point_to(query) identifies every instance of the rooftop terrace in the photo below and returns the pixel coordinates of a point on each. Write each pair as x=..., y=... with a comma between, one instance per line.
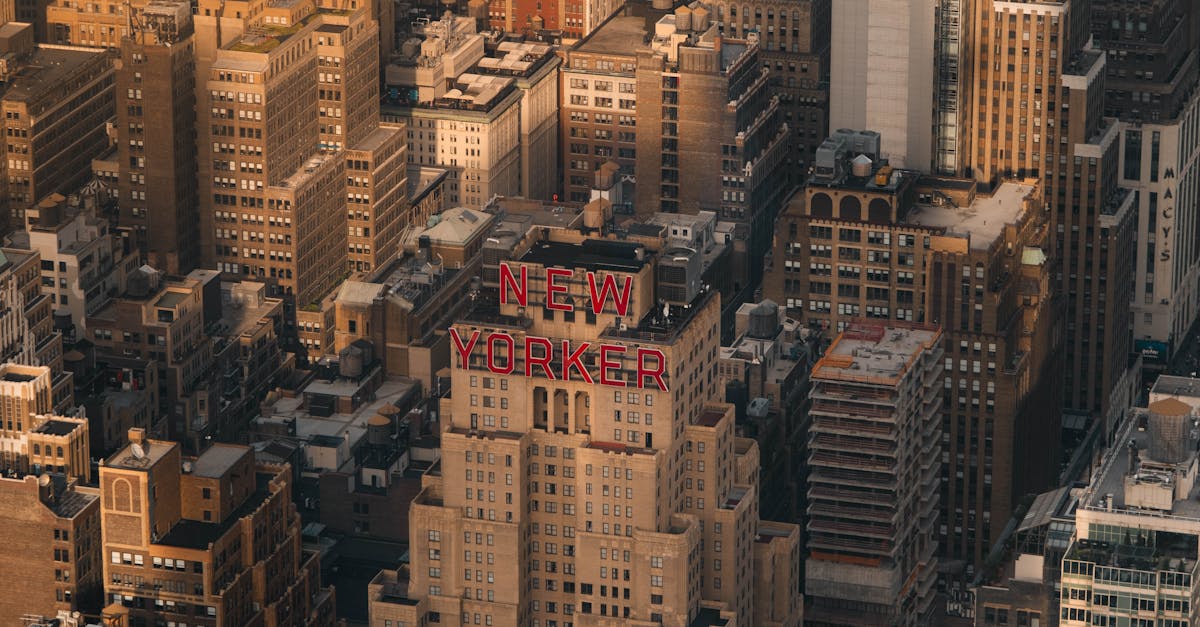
x=983, y=221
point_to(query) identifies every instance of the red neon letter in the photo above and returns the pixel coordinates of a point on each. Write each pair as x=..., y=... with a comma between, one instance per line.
x=520, y=289
x=543, y=361
x=575, y=360
x=491, y=353
x=657, y=373
x=464, y=351
x=552, y=288
x=606, y=365
x=621, y=300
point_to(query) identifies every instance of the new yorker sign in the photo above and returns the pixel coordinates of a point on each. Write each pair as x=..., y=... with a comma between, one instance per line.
x=540, y=352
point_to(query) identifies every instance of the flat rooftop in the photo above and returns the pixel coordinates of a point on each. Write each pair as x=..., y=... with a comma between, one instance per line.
x=590, y=255
x=622, y=34
x=423, y=178
x=539, y=213
x=878, y=352
x=517, y=59
x=171, y=299
x=376, y=138
x=218, y=459
x=151, y=452
x=1169, y=385
x=48, y=68
x=351, y=427
x=248, y=313
x=57, y=427
x=983, y=221
x=1116, y=467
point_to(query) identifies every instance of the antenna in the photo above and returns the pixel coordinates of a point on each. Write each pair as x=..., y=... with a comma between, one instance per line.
x=138, y=451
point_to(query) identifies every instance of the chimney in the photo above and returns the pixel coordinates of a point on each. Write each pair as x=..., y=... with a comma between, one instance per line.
x=137, y=435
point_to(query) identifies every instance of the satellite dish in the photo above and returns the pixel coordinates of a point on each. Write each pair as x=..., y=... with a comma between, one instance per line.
x=137, y=450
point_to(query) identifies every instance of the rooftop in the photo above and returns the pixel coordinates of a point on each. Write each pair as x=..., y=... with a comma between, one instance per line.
x=517, y=59
x=622, y=34
x=57, y=427
x=538, y=213
x=983, y=221
x=589, y=255
x=218, y=459
x=662, y=324
x=129, y=458
x=352, y=427
x=171, y=299
x=876, y=351
x=267, y=37
x=1169, y=385
x=49, y=68
x=1118, y=466
x=422, y=179
x=457, y=225
x=245, y=305
x=306, y=171
x=69, y=503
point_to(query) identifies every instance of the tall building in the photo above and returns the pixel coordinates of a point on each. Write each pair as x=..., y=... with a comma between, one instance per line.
x=211, y=541
x=1151, y=84
x=599, y=127
x=794, y=44
x=56, y=106
x=953, y=47
x=486, y=114
x=882, y=75
x=1037, y=103
x=723, y=141
x=891, y=244
x=873, y=456
x=1134, y=556
x=52, y=559
x=156, y=136
x=290, y=96
x=610, y=488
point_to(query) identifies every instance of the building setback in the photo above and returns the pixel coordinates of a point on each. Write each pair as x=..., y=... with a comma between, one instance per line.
x=575, y=498
x=1037, y=109
x=886, y=244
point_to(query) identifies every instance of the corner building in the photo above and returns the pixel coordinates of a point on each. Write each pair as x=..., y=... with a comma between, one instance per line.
x=594, y=499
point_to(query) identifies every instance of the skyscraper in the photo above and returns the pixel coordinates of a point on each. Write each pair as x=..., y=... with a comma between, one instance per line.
x=1151, y=86
x=882, y=75
x=1037, y=105
x=287, y=100
x=873, y=474
x=609, y=486
x=794, y=45
x=156, y=136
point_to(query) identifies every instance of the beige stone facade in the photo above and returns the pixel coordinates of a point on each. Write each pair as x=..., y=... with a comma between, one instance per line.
x=580, y=500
